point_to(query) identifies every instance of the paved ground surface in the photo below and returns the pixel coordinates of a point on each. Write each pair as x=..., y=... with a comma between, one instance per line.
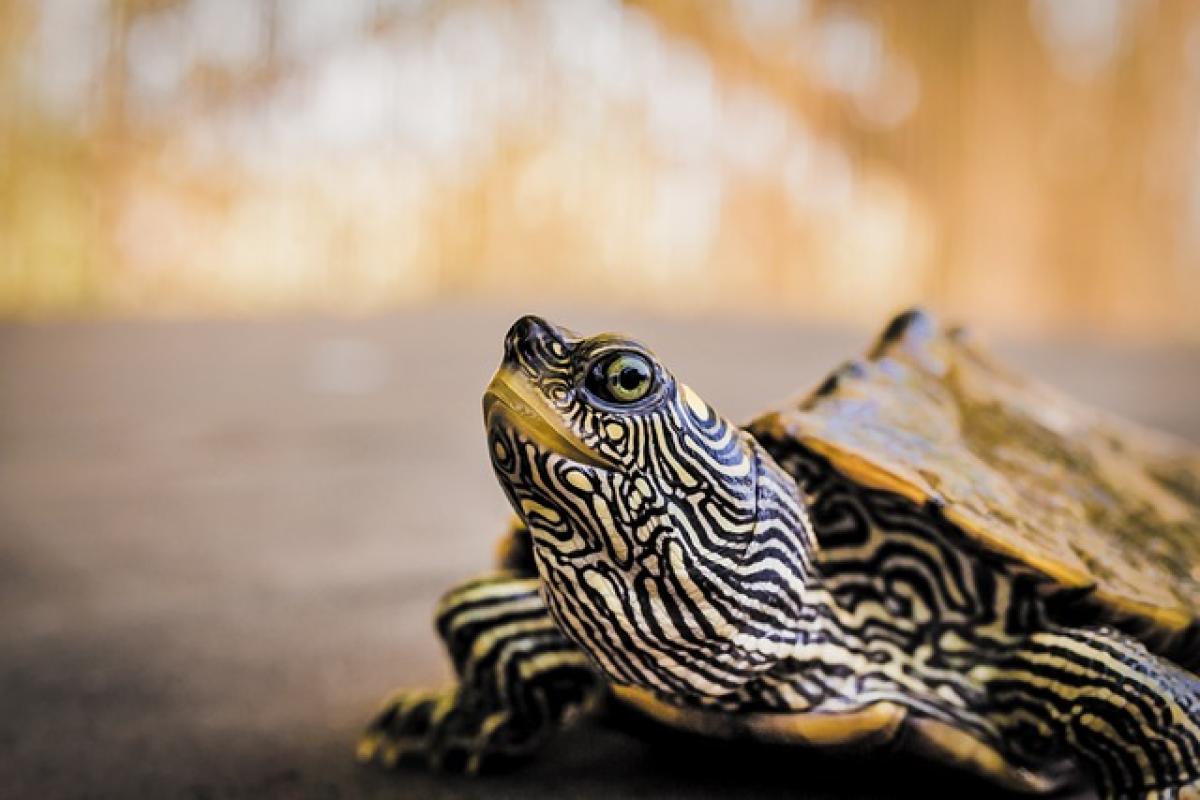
x=220, y=543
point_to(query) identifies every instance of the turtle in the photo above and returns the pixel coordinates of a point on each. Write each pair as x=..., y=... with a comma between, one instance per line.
x=927, y=554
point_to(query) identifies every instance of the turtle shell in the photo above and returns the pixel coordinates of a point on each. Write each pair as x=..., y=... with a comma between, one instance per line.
x=1103, y=508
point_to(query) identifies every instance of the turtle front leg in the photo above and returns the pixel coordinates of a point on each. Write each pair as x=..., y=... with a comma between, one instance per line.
x=520, y=680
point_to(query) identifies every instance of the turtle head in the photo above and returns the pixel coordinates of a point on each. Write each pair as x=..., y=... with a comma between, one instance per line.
x=669, y=542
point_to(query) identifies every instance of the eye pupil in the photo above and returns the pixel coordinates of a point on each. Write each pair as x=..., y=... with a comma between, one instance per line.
x=631, y=378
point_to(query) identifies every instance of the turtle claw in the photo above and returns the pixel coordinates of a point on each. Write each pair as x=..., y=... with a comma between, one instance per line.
x=442, y=730
x=520, y=680
x=404, y=727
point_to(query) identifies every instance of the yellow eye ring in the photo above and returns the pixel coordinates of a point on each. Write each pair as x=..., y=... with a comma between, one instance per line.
x=625, y=378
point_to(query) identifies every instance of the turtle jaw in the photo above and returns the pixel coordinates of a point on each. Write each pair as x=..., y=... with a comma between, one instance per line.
x=512, y=404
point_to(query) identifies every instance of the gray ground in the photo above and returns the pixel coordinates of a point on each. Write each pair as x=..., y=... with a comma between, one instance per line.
x=220, y=543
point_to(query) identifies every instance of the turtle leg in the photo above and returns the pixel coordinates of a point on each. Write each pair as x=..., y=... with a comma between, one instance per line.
x=1129, y=717
x=519, y=680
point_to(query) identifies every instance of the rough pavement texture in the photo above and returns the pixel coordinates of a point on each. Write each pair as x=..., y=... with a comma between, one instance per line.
x=220, y=543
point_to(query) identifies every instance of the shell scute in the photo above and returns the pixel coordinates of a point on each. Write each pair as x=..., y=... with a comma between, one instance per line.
x=1101, y=506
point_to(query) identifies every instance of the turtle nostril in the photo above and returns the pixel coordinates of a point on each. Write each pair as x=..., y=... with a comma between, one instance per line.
x=526, y=336
x=528, y=326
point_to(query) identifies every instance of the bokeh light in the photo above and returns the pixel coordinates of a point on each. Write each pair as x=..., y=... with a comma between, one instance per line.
x=1031, y=165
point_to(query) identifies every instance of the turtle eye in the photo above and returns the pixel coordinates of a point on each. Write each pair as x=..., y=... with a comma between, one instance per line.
x=623, y=378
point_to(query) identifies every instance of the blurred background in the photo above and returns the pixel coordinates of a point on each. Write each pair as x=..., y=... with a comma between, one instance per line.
x=257, y=258
x=1031, y=165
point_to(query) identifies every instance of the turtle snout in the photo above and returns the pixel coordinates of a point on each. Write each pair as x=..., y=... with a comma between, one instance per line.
x=534, y=343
